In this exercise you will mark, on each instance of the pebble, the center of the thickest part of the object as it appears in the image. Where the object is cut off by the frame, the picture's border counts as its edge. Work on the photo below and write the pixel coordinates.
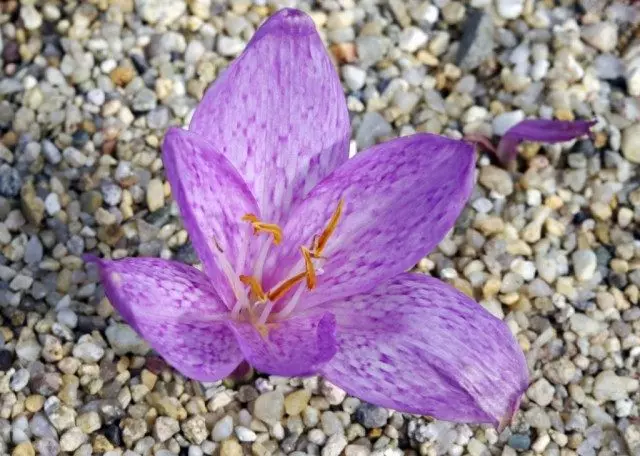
(541, 392)
(371, 416)
(125, 340)
(72, 439)
(601, 35)
(230, 447)
(496, 179)
(411, 39)
(503, 122)
(610, 387)
(269, 407)
(223, 429)
(245, 435)
(334, 446)
(10, 182)
(630, 144)
(88, 352)
(195, 429)
(165, 427)
(584, 264)
(155, 195)
(509, 9)
(161, 12)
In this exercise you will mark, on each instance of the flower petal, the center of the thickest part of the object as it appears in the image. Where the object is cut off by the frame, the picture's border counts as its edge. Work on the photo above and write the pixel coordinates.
(400, 199)
(173, 307)
(278, 113)
(213, 198)
(542, 130)
(417, 345)
(293, 347)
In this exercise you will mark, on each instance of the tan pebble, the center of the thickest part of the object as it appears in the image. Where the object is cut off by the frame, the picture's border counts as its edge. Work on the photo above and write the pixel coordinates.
(148, 379)
(121, 76)
(230, 447)
(296, 402)
(23, 449)
(491, 287)
(34, 402)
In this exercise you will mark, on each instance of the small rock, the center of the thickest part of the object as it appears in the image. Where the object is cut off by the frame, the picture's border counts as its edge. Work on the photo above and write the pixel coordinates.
(125, 340)
(23, 449)
(155, 195)
(230, 447)
(10, 182)
(269, 407)
(519, 442)
(496, 179)
(541, 392)
(165, 427)
(245, 435)
(584, 264)
(630, 144)
(371, 416)
(161, 12)
(89, 422)
(601, 35)
(610, 387)
(354, 77)
(222, 429)
(72, 439)
(195, 429)
(411, 39)
(503, 122)
(31, 17)
(295, 403)
(509, 9)
(335, 445)
(584, 325)
(477, 42)
(88, 352)
(373, 126)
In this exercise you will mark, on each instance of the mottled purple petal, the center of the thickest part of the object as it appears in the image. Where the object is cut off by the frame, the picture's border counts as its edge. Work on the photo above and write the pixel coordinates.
(212, 197)
(400, 199)
(417, 345)
(293, 347)
(278, 113)
(176, 310)
(542, 130)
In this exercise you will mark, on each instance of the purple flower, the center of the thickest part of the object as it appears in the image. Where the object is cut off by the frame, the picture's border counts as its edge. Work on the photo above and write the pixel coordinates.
(542, 130)
(304, 251)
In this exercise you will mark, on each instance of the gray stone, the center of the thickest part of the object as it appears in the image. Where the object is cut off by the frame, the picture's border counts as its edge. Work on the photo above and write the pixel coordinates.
(476, 44)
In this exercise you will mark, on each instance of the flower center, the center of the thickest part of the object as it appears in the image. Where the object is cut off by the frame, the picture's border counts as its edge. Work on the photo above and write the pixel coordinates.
(260, 303)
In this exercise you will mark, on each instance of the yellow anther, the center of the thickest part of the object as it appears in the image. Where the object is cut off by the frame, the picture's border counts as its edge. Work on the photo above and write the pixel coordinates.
(309, 268)
(261, 227)
(285, 286)
(255, 286)
(320, 242)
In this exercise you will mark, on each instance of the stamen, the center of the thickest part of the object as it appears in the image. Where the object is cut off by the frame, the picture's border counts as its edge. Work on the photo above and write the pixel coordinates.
(320, 242)
(285, 286)
(261, 227)
(255, 286)
(309, 268)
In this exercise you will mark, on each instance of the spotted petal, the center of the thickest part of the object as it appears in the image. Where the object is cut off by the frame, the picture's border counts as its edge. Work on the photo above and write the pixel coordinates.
(294, 347)
(278, 113)
(213, 198)
(543, 130)
(173, 307)
(400, 199)
(417, 345)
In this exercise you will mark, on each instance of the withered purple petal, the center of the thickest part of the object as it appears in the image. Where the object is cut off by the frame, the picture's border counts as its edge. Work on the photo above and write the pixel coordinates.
(400, 199)
(175, 308)
(416, 344)
(212, 197)
(542, 130)
(293, 347)
(278, 113)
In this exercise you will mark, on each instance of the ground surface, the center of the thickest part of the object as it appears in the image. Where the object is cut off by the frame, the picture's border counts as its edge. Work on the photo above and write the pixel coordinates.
(87, 90)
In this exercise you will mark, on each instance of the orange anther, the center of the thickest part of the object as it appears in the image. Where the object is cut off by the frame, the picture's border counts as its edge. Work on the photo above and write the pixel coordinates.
(261, 227)
(320, 242)
(285, 286)
(309, 268)
(255, 286)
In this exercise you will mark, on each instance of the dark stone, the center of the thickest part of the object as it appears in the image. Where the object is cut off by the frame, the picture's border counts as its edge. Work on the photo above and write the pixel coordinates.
(10, 182)
(160, 217)
(6, 359)
(519, 442)
(79, 139)
(113, 433)
(476, 44)
(372, 416)
(187, 254)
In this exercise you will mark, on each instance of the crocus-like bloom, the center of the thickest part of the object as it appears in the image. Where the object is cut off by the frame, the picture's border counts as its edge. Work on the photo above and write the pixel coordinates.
(304, 251)
(540, 130)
